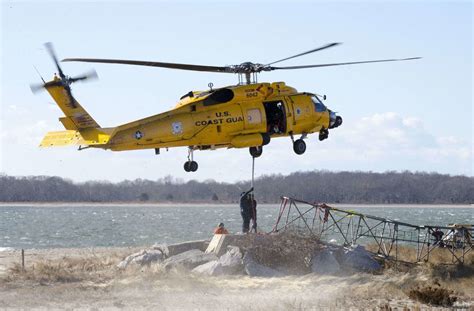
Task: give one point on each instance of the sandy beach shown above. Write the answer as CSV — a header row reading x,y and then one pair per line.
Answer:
x,y
89,279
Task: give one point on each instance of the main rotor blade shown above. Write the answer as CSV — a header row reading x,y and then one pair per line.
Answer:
x,y
49,47
341,64
307,52
151,64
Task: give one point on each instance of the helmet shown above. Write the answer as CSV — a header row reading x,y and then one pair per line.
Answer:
x,y
221,225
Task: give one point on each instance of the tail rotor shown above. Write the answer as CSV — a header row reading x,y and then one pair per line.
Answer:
x,y
61,79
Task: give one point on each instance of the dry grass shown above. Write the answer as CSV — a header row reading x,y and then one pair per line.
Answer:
x,y
387,307
65,270
90,279
439,267
437,256
433,295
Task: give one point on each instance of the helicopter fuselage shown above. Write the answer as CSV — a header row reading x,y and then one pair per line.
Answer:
x,y
236,116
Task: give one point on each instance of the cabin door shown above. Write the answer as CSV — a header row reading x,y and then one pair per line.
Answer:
x,y
276,117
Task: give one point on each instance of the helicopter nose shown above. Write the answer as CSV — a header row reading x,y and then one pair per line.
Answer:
x,y
335,120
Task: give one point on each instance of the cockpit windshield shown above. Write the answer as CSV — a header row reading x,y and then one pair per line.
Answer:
x,y
318,105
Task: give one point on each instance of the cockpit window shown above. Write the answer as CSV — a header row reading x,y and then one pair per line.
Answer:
x,y
219,96
318,105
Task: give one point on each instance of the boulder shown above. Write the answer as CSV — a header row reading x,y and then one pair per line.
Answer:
x,y
252,268
213,268
227,264
323,262
189,259
357,258
144,257
232,259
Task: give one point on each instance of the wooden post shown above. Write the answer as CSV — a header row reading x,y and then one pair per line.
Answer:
x,y
23,259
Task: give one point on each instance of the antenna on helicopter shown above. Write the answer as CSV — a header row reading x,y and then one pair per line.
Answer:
x,y
62,80
36,69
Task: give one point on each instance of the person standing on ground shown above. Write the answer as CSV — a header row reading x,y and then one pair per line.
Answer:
x,y
246,209
253,213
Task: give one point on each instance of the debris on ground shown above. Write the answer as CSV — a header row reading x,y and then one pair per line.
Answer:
x,y
145,257
262,255
358,258
433,295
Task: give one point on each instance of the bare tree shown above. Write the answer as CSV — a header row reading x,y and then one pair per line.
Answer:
x,y
315,186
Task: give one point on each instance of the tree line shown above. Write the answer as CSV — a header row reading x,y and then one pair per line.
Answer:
x,y
314,186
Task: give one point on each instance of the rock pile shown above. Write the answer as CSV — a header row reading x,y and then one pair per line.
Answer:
x,y
256,255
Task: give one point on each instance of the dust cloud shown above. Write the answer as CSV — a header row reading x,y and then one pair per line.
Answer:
x,y
92,280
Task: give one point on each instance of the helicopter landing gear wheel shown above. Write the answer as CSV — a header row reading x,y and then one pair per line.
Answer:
x,y
190,165
256,151
323,134
299,146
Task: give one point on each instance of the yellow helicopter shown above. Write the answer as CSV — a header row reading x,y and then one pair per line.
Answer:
x,y
247,115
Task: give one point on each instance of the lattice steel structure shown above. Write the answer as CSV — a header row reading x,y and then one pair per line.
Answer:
x,y
326,223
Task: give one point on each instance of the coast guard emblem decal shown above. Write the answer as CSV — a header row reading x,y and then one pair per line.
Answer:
x,y
177,128
138,135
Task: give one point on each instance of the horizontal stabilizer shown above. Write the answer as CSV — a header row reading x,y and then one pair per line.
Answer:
x,y
61,138
71,137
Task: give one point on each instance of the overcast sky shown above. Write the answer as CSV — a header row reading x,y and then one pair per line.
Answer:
x,y
413,115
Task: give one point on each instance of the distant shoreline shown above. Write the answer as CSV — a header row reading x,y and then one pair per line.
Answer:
x,y
322,186
164,204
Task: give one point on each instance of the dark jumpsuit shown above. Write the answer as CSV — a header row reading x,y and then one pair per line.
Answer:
x,y
246,210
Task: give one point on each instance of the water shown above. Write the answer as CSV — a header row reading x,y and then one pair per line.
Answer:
x,y
50,226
